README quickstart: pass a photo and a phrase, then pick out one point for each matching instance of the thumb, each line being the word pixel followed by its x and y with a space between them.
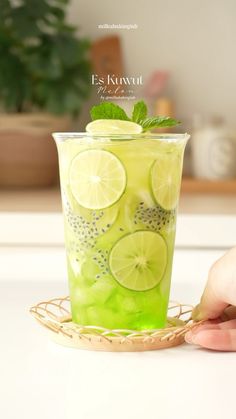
pixel 220 290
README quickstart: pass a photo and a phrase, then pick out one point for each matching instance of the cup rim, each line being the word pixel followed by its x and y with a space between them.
pixel 165 137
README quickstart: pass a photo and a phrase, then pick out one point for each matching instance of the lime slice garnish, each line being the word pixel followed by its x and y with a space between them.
pixel 97 179
pixel 113 126
pixel 138 260
pixel 165 180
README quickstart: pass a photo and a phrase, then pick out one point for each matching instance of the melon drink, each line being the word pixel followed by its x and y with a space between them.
pixel 120 195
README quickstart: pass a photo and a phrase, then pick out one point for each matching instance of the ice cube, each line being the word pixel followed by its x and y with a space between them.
pixel 129 304
pixel 100 316
pixel 102 289
pixel 81 297
pixel 90 268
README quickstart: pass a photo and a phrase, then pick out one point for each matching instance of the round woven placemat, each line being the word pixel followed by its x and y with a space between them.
pixel 56 316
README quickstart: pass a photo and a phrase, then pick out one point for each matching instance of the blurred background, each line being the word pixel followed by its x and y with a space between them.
pixel 180 56
pixel 50 50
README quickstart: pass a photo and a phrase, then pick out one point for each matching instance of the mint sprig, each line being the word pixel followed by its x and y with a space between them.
pixel 108 110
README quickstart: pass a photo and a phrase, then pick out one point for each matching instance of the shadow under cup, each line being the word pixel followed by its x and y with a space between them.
pixel 120 196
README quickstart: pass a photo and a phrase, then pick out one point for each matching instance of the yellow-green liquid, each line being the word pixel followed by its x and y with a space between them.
pixel 97 298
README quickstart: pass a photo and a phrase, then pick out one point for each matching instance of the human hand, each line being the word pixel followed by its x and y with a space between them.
pixel 218 307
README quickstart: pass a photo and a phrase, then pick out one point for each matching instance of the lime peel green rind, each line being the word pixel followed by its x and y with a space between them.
pixel 97 179
pixel 165 181
pixel 113 126
pixel 138 260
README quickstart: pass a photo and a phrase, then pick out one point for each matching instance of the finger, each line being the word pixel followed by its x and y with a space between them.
pixel 210 325
pixel 220 289
pixel 210 307
pixel 219 340
pixel 230 312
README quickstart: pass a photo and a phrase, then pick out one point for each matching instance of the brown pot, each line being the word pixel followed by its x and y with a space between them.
pixel 28 155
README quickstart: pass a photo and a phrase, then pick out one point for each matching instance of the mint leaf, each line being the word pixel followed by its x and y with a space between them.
pixel 158 122
pixel 139 112
pixel 108 110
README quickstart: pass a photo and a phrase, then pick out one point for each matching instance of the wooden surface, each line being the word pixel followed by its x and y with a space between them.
pixel 191 185
pixel 94 343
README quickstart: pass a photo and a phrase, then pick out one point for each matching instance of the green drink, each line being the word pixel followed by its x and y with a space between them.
pixel 120 194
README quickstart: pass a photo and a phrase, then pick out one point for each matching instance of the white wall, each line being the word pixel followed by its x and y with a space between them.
pixel 194 39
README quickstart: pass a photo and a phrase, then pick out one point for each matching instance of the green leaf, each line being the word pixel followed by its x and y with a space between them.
pixel 43 64
pixel 15 87
pixel 5 10
pixel 69 49
pixel 57 12
pixel 158 122
pixel 24 26
pixel 108 110
pixel 139 112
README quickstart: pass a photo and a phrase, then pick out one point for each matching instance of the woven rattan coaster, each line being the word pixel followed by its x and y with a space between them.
pixel 56 316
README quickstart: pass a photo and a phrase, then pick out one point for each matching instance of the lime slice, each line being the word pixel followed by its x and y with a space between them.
pixel 113 126
pixel 138 261
pixel 165 180
pixel 97 179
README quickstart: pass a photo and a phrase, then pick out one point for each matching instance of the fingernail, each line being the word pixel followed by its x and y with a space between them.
pixel 188 337
pixel 191 337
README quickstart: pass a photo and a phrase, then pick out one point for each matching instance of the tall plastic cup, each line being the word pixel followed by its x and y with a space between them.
pixel 120 196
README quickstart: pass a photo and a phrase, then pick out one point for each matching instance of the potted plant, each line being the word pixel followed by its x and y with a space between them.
pixel 44 80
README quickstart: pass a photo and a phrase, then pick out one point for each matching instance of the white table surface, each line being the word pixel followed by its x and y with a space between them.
pixel 40 379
